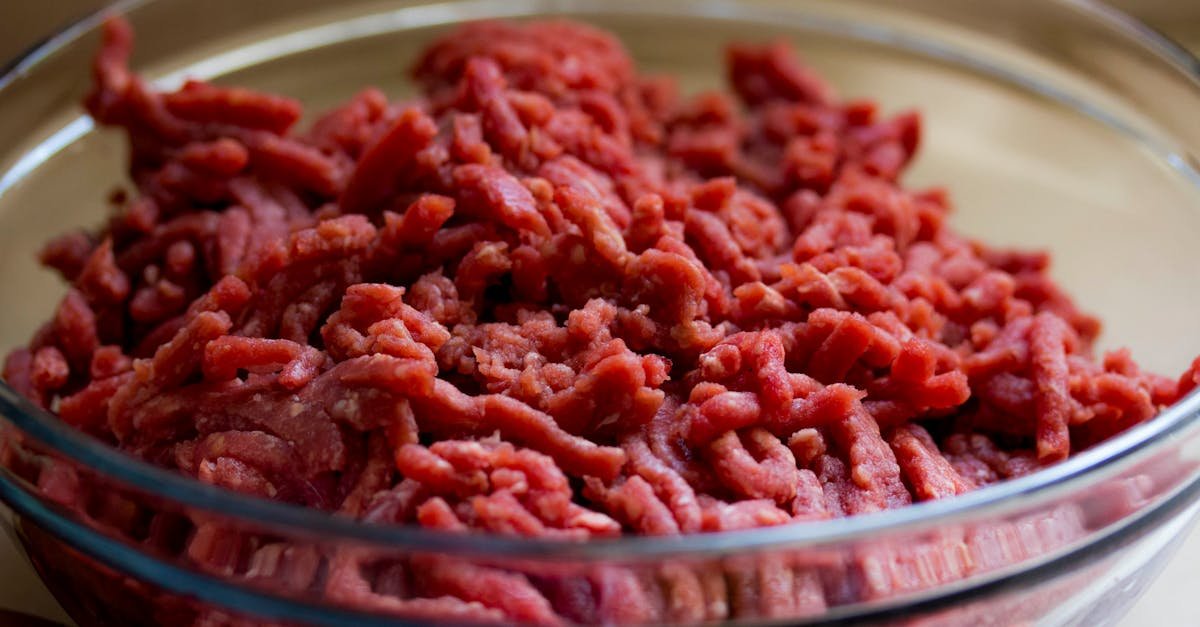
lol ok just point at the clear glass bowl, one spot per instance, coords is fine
(1056, 124)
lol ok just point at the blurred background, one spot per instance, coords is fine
(24, 22)
(1170, 601)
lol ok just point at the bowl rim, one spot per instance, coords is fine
(1004, 498)
(206, 588)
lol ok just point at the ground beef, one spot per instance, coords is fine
(551, 297)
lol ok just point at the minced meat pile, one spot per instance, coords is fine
(553, 297)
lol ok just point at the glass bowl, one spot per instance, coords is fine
(1057, 124)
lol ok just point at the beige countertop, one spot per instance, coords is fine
(1170, 601)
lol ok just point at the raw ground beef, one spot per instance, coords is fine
(551, 297)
